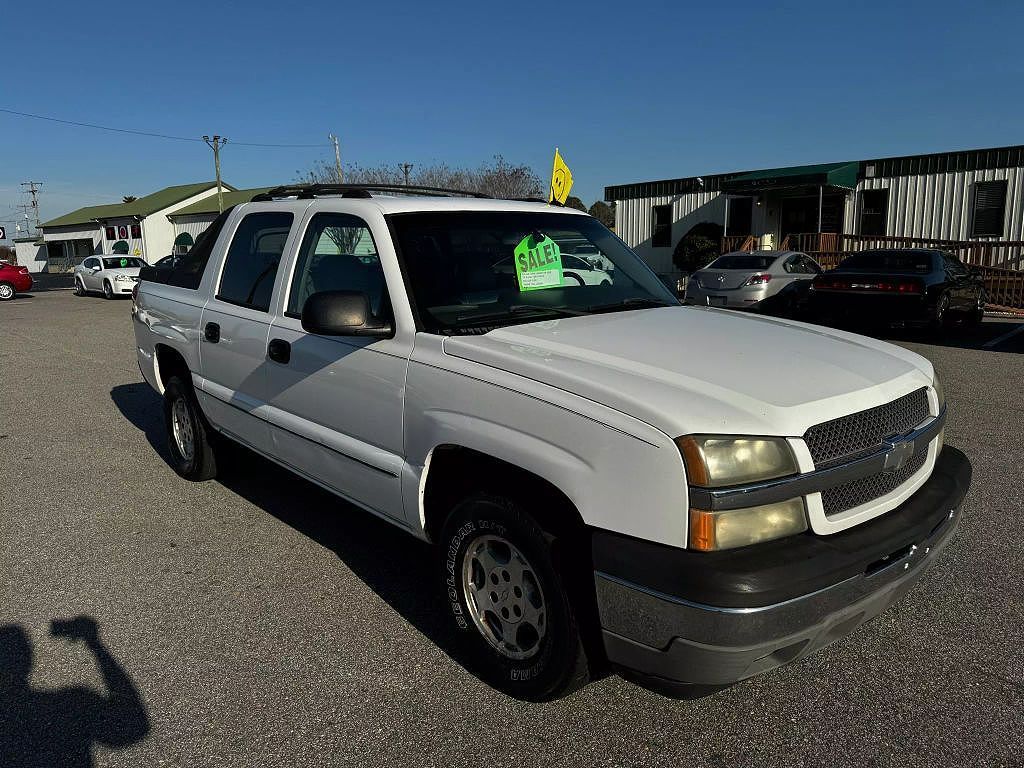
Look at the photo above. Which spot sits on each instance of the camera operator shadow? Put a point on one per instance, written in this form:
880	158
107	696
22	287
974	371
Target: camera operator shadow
58	727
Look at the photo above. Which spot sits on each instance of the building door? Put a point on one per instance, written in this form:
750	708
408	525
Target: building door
800	214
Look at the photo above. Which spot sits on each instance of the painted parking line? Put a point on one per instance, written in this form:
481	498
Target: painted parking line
1000	339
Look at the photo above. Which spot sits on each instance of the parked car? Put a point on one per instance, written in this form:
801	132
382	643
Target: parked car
906	286
576	269
112	275
692	496
13	280
770	281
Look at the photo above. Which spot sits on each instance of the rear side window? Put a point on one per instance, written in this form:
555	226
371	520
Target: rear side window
251	263
187	271
337	254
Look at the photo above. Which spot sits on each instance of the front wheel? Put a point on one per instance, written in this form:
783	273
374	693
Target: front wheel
188	437
509	601
79	288
108	291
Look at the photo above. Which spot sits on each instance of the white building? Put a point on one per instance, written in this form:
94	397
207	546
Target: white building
974	197
139	228
189	221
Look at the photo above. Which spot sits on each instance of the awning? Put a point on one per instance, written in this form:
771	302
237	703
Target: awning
840	175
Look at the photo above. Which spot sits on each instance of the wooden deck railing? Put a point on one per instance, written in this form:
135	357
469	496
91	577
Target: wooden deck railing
738	243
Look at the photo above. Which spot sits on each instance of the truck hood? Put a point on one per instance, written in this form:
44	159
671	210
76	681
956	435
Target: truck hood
691	370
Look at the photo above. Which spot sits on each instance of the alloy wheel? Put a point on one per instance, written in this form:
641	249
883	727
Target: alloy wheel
6	292
504	595
181	427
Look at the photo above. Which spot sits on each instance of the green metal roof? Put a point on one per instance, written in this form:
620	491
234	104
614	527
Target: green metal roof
825	174
209	204
144	206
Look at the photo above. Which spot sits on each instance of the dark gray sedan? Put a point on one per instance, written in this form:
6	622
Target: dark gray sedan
753	280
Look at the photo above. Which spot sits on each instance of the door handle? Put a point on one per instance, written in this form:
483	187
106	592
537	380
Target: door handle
212	333
280	351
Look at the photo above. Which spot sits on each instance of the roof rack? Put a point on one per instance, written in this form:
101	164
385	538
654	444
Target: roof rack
309	191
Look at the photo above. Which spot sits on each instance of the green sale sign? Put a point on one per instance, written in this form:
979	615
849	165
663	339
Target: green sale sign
538	263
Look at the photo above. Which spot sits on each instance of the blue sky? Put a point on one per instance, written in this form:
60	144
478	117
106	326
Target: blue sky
628	91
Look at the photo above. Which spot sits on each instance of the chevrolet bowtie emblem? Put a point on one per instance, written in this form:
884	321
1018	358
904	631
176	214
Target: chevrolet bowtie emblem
899	453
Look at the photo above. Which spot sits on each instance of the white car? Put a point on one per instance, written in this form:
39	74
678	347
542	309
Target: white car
576	269
111	275
607	476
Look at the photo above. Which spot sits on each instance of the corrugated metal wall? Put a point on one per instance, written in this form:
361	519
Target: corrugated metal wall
194	225
634	225
939	205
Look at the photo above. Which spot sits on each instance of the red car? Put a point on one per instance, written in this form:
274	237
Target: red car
13	280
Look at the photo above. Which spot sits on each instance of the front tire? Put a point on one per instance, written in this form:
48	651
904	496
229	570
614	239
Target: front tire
188	435
7	292
509	602
79	288
108	291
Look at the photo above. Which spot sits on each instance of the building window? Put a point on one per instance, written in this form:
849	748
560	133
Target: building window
741	215
136	231
989	209
661	232
874	211
111	233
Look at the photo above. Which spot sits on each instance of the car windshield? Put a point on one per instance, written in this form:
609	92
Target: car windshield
890	261
743	261
119	262
470	271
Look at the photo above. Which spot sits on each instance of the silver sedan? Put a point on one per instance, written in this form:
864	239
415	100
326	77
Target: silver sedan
752	280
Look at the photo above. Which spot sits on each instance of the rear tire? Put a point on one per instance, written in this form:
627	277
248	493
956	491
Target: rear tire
940	313
188	434
7	292
509	602
108	292
976	315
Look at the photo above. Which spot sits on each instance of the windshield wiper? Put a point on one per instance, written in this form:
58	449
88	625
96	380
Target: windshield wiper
637	302
524	309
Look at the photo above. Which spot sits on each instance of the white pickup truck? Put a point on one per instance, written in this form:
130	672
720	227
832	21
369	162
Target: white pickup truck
690	494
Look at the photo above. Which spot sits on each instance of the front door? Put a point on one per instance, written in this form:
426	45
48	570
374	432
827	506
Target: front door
235	328
336	402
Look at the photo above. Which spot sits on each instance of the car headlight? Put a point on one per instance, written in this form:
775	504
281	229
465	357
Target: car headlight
122	278
714	462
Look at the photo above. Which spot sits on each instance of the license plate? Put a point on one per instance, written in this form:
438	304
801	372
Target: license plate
716	301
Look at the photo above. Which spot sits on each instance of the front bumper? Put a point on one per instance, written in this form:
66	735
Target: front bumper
673	617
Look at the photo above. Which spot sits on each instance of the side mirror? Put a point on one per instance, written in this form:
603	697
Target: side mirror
342	313
96	269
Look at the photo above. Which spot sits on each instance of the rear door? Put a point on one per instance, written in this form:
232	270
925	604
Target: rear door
962	288
337	402
235	327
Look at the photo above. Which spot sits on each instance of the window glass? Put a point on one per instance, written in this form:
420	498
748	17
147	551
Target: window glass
187	271
989	209
810	265
337	254
251	263
661	234
90	263
461	271
907	260
743	261
128	261
874	211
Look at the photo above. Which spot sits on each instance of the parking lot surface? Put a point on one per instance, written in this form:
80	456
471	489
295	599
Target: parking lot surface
260	621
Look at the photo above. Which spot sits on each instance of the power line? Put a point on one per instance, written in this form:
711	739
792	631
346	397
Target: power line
152	135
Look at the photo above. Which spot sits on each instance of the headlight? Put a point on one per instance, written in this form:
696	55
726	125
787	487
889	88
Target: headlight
937	386
713	462
122	278
741	527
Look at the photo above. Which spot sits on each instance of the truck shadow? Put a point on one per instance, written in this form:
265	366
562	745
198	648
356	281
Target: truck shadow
396	566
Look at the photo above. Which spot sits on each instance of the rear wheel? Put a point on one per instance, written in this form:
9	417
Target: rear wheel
977	314
940	313
108	291
6	291
188	434
509	601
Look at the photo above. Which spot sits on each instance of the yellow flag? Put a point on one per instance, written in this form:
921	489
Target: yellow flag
561	180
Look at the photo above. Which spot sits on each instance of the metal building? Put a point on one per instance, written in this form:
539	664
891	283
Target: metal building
972	196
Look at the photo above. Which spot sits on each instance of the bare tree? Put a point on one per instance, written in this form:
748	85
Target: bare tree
498	178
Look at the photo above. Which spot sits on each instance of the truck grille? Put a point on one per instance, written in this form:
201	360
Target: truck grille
860	433
857	492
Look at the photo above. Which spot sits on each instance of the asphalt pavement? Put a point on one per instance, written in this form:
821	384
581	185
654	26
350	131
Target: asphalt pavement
258	621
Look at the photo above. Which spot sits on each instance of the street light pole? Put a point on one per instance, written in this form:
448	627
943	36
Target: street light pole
337	158
215	145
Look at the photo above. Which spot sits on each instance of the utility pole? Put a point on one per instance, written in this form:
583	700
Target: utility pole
406	167
215	145
33	189
337	158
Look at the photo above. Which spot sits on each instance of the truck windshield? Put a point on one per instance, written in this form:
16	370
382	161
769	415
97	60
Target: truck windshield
470	271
